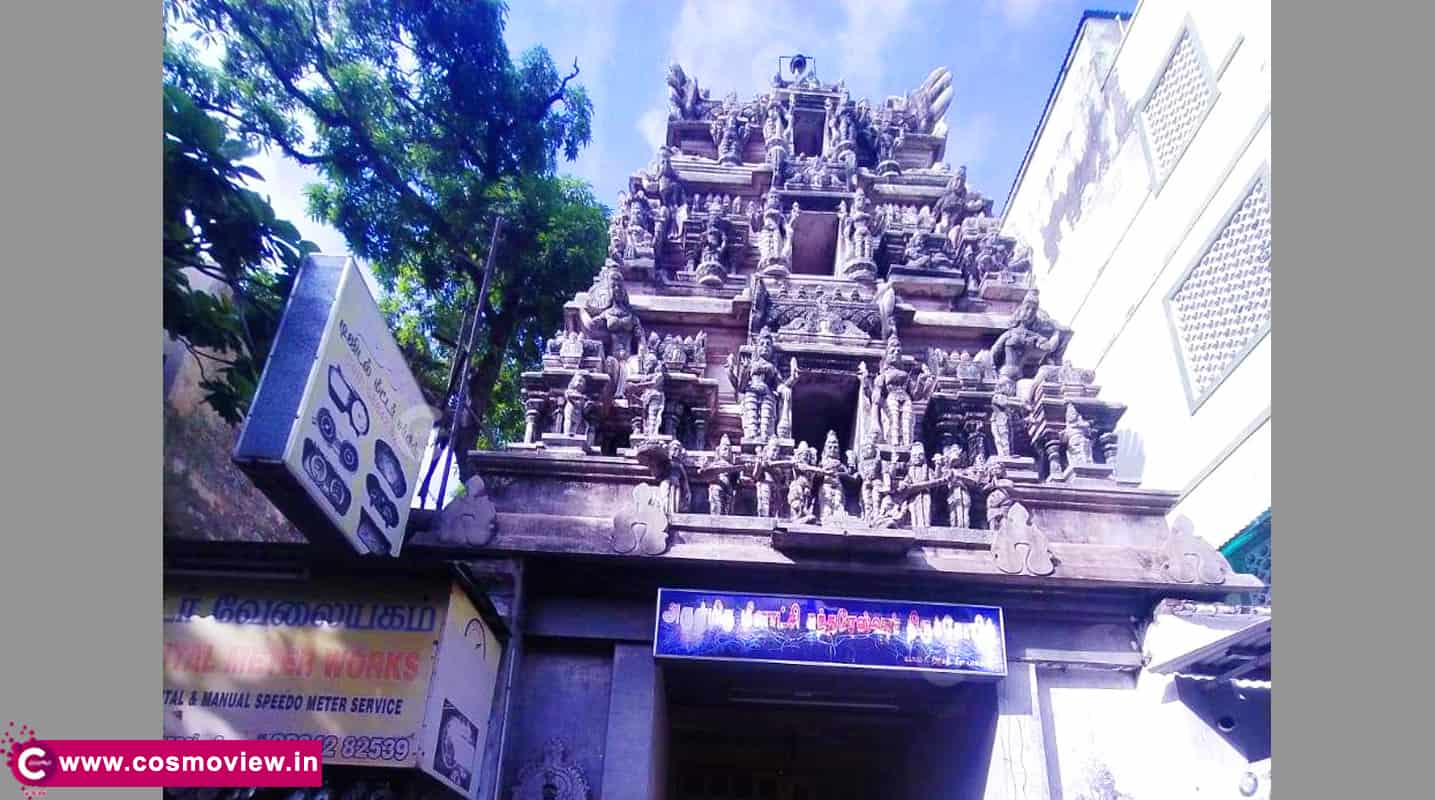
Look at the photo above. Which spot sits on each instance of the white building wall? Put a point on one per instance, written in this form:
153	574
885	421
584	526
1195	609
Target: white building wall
1113	236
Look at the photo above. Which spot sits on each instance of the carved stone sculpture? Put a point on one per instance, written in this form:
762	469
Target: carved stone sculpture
756	379
857	237
960	483
1077	437
799	491
869	470
650	386
607	315
917	484
928	103
642	528
687	100
1021	343
1007	410
720	471
712	266
674	488
957	203
730	132
892	385
576	406
998	493
766	473
552	777
774	237
832	495
1020	547
1187	558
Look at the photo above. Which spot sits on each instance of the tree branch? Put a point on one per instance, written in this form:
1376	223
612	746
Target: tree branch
558	93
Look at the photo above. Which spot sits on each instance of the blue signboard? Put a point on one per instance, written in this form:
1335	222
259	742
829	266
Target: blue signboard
830	631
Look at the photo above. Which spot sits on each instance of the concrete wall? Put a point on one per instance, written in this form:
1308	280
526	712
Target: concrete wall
1113	235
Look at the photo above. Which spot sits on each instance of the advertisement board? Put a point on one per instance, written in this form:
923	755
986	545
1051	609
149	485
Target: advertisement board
338	427
364	668
832	632
456	724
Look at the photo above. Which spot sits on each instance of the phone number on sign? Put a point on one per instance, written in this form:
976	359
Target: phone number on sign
366	748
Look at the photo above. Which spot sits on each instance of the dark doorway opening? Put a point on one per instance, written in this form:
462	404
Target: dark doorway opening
814	243
826	403
753	732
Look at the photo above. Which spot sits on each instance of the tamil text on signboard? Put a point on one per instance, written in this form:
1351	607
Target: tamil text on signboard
825	631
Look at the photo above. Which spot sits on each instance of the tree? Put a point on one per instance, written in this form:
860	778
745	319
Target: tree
215	226
422	128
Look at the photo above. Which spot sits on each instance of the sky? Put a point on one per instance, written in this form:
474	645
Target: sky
1004	56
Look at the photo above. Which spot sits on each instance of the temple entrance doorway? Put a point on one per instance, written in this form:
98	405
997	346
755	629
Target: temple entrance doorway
736	732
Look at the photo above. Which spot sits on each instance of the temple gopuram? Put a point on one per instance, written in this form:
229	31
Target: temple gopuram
809	502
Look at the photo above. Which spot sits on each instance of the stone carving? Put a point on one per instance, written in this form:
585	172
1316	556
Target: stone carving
1077	437
687	100
858	232
766	472
713	267
662	181
1007	409
885	400
1030	337
839	133
961	481
776	136
917	485
674	486
642	528
957	203
888	142
774	236
756	380
998	493
577	406
551	777
799	491
869	470
1187	558
1020	547
470	519
816	172
962	366
819	311
730	132
927	104
927	251
649	387
720	470
607	316
680	353
831	494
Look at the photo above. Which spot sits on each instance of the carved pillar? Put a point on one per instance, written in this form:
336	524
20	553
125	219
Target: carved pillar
1108	444
1052	447
635	753
700	430
976	439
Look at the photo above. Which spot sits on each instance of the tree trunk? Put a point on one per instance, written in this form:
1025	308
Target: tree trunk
482	377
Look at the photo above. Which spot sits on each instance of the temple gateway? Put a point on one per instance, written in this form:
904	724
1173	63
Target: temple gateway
809	502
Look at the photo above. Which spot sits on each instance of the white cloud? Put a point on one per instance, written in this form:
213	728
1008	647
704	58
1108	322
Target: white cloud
864	43
1018	12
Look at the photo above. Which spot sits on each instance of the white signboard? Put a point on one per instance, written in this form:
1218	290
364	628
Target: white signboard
338	408
461	697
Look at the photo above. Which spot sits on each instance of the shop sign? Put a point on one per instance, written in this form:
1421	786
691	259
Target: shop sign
336	433
399	674
832	632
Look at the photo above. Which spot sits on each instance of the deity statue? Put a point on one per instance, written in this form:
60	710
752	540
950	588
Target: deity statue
1006	409
957	203
712	268
891	507
891	385
673	490
576	405
651	383
917	486
776	127
766	472
784	401
773	232
730	132
1021	342
869	469
719	470
961	481
869	406
757	381
831	495
857	238
799	490
607	316
662	180
1077	437
998	490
